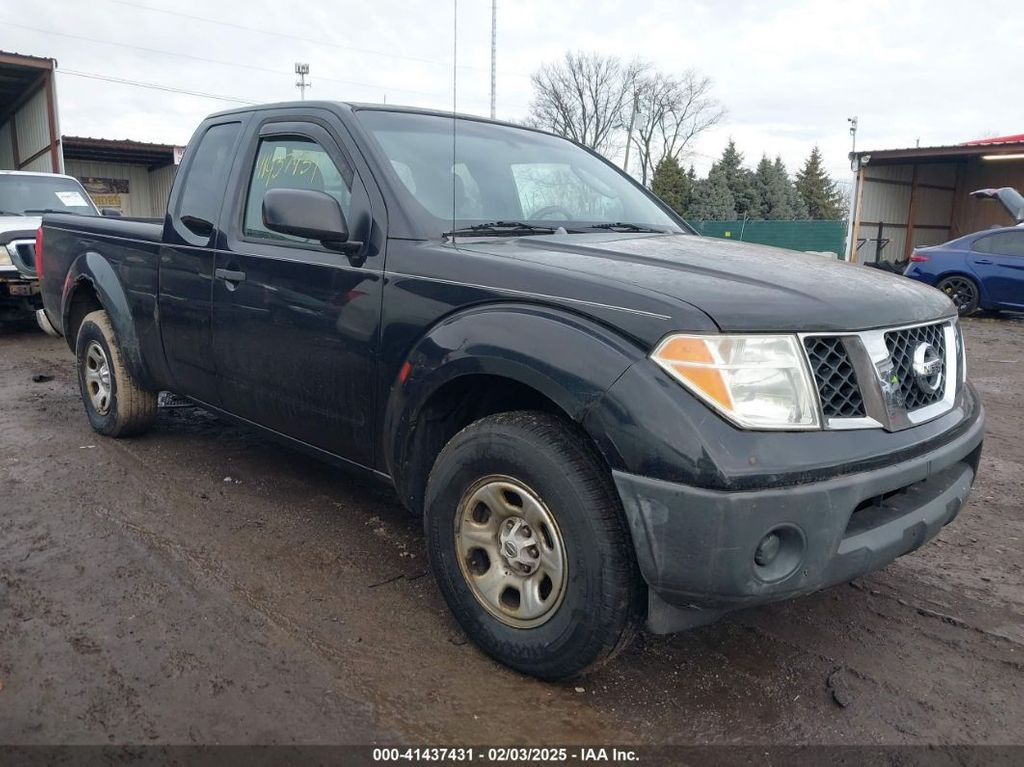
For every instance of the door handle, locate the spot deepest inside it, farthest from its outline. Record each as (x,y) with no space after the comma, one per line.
(982,261)
(229,275)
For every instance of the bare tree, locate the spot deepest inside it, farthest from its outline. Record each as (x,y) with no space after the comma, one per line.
(671,113)
(584,97)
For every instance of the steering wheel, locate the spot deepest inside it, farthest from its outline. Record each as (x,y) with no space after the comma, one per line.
(548,209)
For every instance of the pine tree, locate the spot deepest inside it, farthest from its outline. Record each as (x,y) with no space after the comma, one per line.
(714,201)
(694,182)
(672,185)
(795,203)
(817,190)
(739,180)
(776,198)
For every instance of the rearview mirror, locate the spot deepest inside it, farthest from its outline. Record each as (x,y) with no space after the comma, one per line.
(310,214)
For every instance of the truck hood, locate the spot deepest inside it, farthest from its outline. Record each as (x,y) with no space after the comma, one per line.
(19,223)
(740,286)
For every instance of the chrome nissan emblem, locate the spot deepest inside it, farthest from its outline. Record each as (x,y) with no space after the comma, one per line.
(927,368)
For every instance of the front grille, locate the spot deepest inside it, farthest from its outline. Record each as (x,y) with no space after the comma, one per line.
(901,345)
(27,254)
(834,375)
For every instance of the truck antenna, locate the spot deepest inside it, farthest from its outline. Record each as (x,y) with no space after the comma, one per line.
(455,96)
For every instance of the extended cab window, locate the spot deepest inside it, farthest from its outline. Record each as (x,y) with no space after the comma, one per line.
(1003,243)
(203,191)
(292,163)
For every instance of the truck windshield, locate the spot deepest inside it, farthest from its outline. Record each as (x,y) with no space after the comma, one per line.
(500,174)
(33,195)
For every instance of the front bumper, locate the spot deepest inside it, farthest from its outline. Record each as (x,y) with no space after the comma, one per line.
(19,296)
(697,547)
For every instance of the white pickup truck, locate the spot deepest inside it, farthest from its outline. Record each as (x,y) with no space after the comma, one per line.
(24,198)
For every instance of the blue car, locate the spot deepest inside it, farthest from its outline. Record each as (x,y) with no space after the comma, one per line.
(984,270)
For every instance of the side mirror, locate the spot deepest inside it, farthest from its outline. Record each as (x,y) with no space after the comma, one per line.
(310,214)
(112,212)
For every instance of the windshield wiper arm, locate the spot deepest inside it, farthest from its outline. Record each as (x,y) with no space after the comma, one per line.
(50,210)
(499,228)
(620,226)
(11,213)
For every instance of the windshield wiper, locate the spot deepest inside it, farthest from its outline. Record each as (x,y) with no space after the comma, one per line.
(50,210)
(503,228)
(11,213)
(620,226)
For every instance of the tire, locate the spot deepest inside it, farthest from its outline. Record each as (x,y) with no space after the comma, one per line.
(114,402)
(538,467)
(963,292)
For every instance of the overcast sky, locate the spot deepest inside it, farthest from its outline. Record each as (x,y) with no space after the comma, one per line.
(789,72)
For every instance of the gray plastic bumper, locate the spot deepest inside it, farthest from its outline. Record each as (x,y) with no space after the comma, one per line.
(706,550)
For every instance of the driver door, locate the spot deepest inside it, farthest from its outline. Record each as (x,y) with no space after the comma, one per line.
(295,324)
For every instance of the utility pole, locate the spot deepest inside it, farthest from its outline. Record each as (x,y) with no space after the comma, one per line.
(302,70)
(494,53)
(853,132)
(629,131)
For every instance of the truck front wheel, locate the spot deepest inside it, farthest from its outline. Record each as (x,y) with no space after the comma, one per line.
(529,545)
(115,404)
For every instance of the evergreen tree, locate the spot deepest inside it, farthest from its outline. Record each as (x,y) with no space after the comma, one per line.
(775,195)
(694,183)
(739,180)
(795,202)
(714,201)
(817,190)
(672,185)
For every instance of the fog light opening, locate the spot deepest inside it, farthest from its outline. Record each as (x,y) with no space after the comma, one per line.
(779,553)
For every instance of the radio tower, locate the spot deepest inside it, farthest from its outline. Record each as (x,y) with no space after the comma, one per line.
(302,70)
(494,50)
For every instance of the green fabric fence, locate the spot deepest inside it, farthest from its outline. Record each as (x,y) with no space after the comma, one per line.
(796,235)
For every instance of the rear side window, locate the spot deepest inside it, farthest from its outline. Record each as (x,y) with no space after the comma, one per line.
(292,163)
(1003,243)
(203,190)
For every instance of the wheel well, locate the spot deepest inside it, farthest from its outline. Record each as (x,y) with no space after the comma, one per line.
(450,409)
(957,273)
(83,301)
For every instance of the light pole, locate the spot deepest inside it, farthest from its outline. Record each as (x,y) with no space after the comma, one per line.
(302,70)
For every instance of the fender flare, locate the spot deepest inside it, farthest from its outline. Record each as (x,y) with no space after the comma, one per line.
(524,343)
(93,269)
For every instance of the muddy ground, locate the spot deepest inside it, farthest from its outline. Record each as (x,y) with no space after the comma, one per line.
(202,584)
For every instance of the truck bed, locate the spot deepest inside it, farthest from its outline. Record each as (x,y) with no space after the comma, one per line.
(148,229)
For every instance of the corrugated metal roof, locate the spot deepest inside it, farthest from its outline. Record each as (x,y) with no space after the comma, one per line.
(116,143)
(41,59)
(1017,138)
(1008,145)
(118,150)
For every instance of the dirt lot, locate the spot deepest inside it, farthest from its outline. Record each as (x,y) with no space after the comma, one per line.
(204,585)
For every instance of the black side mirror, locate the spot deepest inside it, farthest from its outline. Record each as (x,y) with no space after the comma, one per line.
(310,214)
(112,212)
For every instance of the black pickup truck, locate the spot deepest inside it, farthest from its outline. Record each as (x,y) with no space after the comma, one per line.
(602,417)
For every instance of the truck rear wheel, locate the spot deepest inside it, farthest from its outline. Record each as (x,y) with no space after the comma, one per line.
(115,404)
(529,545)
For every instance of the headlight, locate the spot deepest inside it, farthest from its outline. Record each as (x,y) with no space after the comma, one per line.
(757,382)
(5,257)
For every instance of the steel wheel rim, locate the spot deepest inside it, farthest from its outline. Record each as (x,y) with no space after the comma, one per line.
(511,552)
(97,378)
(960,291)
